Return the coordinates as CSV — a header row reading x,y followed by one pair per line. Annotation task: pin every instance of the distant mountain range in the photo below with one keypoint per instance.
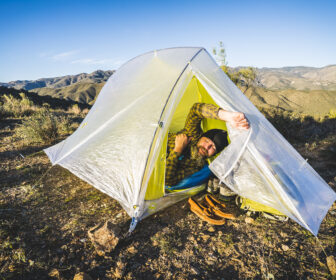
x,y
98,76
302,89
81,92
299,78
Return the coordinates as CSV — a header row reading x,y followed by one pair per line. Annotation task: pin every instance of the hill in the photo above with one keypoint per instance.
x,y
313,102
55,103
299,78
98,76
301,89
81,92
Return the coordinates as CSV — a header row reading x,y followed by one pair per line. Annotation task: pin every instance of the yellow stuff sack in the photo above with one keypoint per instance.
x,y
253,206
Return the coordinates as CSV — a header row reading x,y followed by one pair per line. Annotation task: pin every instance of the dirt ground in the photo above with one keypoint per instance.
x,y
44,224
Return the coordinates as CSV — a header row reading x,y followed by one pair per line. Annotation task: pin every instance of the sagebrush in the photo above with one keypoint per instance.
x,y
43,127
15,107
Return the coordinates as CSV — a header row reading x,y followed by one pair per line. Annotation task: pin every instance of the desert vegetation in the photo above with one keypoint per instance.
x,y
39,124
16,107
45,213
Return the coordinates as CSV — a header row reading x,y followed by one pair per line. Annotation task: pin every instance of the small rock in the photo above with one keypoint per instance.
x,y
331,263
284,247
211,229
194,270
249,220
118,273
205,237
210,262
191,238
270,276
82,276
132,250
104,237
235,225
120,264
283,234
54,273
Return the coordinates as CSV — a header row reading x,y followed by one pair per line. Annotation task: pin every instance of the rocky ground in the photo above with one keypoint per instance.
x,y
44,224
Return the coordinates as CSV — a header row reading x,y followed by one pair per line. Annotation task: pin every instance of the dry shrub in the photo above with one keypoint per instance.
x,y
74,109
84,112
43,127
14,107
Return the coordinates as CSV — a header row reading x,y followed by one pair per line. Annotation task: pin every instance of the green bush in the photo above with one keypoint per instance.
x,y
14,107
43,127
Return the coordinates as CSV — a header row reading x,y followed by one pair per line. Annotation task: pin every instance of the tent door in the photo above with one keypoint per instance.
x,y
195,92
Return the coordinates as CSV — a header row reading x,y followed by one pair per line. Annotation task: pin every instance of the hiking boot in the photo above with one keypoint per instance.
x,y
225,193
205,213
213,187
217,207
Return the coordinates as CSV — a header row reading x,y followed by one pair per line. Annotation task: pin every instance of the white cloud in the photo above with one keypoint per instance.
x,y
68,56
92,61
64,55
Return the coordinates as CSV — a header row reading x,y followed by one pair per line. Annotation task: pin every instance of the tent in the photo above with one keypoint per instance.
x,y
120,147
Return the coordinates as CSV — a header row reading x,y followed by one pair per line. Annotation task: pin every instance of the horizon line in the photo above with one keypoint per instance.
x,y
239,66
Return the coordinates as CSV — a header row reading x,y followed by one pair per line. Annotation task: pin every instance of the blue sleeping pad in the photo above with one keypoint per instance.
x,y
198,178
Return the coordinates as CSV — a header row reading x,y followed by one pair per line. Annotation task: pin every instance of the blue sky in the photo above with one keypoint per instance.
x,y
55,38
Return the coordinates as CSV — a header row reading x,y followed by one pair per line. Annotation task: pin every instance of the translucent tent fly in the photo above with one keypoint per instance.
x,y
120,147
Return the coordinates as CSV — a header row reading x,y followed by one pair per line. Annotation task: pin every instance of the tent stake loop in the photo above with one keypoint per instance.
x,y
134,220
